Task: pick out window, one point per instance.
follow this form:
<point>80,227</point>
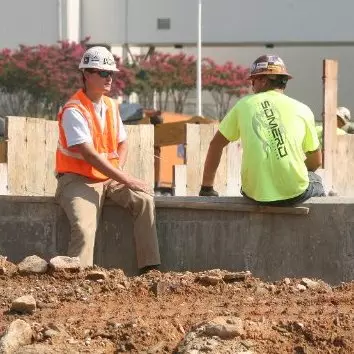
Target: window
<point>163,23</point>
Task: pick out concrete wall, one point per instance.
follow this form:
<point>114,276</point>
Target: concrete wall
<point>271,246</point>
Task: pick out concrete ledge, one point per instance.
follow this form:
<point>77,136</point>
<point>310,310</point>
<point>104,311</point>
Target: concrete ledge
<point>199,233</point>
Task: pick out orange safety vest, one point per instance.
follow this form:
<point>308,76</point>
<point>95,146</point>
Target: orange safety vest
<point>69,159</point>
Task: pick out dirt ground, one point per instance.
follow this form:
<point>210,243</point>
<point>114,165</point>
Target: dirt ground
<point>154,313</point>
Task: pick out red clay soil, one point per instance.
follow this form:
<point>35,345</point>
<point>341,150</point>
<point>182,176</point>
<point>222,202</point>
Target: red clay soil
<point>154,312</point>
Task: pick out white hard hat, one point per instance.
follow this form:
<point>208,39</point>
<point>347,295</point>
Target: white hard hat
<point>98,58</point>
<point>343,113</point>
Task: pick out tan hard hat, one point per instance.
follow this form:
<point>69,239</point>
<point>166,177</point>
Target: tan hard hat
<point>344,114</point>
<point>269,65</point>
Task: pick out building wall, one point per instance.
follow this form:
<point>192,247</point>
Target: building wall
<point>28,22</point>
<point>227,22</point>
<point>304,32</point>
<point>104,21</point>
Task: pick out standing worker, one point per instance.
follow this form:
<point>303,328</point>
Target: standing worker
<point>343,120</point>
<point>344,125</point>
<point>280,146</point>
<point>91,153</point>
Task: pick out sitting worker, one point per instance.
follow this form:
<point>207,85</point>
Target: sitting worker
<point>280,145</point>
<point>344,126</point>
<point>91,153</point>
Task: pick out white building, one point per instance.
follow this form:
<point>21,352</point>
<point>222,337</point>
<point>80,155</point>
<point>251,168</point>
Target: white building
<point>302,32</point>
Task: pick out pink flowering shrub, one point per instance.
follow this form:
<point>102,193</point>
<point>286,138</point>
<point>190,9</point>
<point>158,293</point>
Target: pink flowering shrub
<point>36,80</point>
<point>225,83</point>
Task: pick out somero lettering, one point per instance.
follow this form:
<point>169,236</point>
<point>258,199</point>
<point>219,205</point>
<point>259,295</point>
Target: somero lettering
<point>274,128</point>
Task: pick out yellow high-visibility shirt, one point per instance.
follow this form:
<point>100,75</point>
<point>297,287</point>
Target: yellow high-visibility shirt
<point>276,131</point>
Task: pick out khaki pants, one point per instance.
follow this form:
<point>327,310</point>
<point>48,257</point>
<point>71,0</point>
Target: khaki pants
<point>82,200</point>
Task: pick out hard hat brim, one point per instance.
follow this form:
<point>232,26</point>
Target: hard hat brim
<point>83,67</point>
<point>269,73</point>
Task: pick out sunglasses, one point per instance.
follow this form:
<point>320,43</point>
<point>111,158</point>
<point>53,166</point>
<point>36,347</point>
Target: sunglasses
<point>101,73</point>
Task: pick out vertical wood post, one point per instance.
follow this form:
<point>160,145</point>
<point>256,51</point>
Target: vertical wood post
<point>330,90</point>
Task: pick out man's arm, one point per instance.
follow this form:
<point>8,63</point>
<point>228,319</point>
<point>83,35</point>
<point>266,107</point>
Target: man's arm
<point>91,156</point>
<point>213,159</point>
<point>122,152</point>
<point>313,160</point>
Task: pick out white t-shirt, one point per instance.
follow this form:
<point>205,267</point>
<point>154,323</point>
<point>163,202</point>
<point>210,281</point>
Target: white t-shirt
<point>76,128</point>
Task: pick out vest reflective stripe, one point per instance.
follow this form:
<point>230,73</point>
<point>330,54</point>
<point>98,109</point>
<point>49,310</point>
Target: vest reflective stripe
<point>67,152</point>
<point>115,115</point>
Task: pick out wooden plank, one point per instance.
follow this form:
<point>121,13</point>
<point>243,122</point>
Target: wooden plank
<point>175,133</point>
<point>214,205</point>
<point>170,134</point>
<point>17,158</point>
<point>234,160</point>
<point>3,179</point>
<point>51,142</point>
<point>3,150</point>
<point>198,140</point>
<point>193,159</point>
<point>133,150</point>
<point>343,165</point>
<point>221,173</point>
<point>140,161</point>
<point>36,152</point>
<point>180,180</point>
<point>330,88</point>
<point>146,154</point>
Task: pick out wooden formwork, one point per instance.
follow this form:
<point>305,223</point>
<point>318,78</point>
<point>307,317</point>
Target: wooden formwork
<point>29,163</point>
<point>188,177</point>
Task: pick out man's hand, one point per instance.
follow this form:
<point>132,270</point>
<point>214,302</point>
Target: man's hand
<point>206,191</point>
<point>103,165</point>
<point>136,184</point>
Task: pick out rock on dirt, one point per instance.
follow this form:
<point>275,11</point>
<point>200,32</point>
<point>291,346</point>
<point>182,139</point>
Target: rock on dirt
<point>301,287</point>
<point>287,281</point>
<point>95,275</point>
<point>224,327</point>
<point>65,263</point>
<point>209,279</point>
<point>160,288</point>
<point>32,265</point>
<point>24,304</point>
<point>210,336</point>
<point>236,276</point>
<point>17,335</point>
<point>6,267</point>
<point>310,284</point>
